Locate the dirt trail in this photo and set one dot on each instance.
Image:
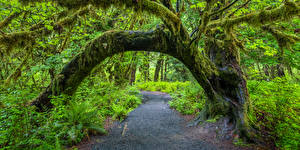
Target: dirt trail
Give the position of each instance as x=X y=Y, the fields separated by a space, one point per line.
x=154 y=126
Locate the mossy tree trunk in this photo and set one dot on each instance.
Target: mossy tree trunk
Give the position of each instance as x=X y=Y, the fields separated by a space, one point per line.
x=230 y=95
x=158 y=67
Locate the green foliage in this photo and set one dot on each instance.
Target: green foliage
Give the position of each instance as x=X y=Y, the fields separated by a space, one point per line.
x=71 y=119
x=189 y=100
x=275 y=111
x=167 y=87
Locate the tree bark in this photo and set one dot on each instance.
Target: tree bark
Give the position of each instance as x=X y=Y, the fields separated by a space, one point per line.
x=132 y=75
x=290 y=70
x=166 y=66
x=266 y=70
x=162 y=70
x=133 y=69
x=157 y=69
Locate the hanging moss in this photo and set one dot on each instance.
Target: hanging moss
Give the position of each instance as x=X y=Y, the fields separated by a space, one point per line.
x=284 y=12
x=284 y=40
x=149 y=6
x=18 y=71
x=8 y=19
x=17 y=39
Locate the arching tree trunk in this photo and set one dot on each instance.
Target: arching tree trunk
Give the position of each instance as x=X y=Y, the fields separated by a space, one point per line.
x=219 y=74
x=110 y=43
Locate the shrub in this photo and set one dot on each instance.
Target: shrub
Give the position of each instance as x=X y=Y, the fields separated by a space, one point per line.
x=71 y=120
x=274 y=111
x=167 y=87
x=189 y=100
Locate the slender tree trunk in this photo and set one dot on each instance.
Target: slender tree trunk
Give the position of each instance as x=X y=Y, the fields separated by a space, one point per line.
x=258 y=67
x=133 y=68
x=266 y=70
x=132 y=75
x=273 y=74
x=157 y=68
x=290 y=70
x=162 y=70
x=148 y=67
x=52 y=74
x=280 y=68
x=166 y=66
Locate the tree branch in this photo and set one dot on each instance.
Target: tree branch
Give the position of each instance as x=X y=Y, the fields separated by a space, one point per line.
x=284 y=12
x=284 y=40
x=149 y=6
x=239 y=8
x=224 y=8
x=8 y=19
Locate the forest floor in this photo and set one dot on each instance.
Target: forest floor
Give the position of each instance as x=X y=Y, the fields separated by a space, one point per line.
x=155 y=126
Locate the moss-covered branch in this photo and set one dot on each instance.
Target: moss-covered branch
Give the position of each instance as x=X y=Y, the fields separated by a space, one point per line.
x=286 y=11
x=69 y=20
x=106 y=45
x=284 y=40
x=8 y=19
x=149 y=6
x=224 y=8
x=11 y=40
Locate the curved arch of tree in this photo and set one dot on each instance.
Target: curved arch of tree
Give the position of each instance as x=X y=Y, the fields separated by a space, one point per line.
x=217 y=69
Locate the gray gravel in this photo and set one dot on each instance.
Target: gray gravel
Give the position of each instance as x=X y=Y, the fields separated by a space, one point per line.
x=152 y=126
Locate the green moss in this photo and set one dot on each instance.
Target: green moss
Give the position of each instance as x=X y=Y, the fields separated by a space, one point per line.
x=284 y=12
x=8 y=19
x=284 y=40
x=17 y=39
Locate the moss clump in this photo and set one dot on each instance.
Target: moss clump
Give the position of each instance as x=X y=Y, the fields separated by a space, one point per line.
x=17 y=39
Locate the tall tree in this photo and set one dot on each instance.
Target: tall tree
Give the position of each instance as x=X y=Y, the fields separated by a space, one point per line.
x=158 y=67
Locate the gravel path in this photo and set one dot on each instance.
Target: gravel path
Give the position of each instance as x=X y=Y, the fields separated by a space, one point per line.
x=154 y=126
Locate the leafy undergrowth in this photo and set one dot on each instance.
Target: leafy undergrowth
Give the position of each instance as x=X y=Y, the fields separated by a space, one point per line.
x=188 y=101
x=166 y=87
x=274 y=109
x=71 y=120
x=187 y=98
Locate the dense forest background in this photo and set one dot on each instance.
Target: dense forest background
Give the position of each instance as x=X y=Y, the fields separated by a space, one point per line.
x=31 y=60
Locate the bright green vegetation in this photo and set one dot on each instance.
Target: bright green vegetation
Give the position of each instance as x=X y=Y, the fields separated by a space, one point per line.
x=166 y=87
x=275 y=111
x=274 y=108
x=188 y=98
x=68 y=65
x=71 y=119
